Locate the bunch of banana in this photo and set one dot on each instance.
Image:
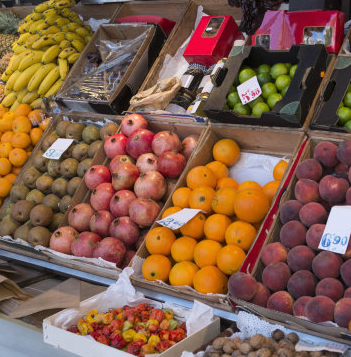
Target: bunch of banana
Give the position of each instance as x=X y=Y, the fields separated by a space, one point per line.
x=51 y=40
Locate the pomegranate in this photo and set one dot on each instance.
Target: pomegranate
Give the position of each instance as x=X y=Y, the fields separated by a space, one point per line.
x=150 y=185
x=120 y=202
x=143 y=211
x=61 y=240
x=95 y=175
x=124 y=176
x=101 y=196
x=165 y=141
x=124 y=229
x=133 y=122
x=110 y=249
x=139 y=143
x=79 y=216
x=100 y=223
x=84 y=244
x=127 y=258
x=119 y=159
x=146 y=162
x=189 y=144
x=115 y=145
x=171 y=164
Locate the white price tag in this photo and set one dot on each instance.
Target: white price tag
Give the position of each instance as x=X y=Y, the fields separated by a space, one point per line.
x=55 y=151
x=337 y=231
x=249 y=90
x=176 y=220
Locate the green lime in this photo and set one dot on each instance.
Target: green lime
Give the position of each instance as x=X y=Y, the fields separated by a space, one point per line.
x=288 y=65
x=283 y=91
x=264 y=68
x=226 y=106
x=282 y=81
x=259 y=108
x=268 y=89
x=236 y=81
x=264 y=78
x=341 y=104
x=347 y=100
x=344 y=115
x=255 y=101
x=278 y=69
x=232 y=99
x=232 y=88
x=349 y=88
x=348 y=125
x=246 y=74
x=292 y=70
x=242 y=109
x=245 y=66
x=274 y=98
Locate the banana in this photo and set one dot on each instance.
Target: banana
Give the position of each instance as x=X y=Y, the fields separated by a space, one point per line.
x=65 y=12
x=82 y=32
x=64 y=44
x=17 y=49
x=21 y=94
x=41 y=7
x=6 y=75
x=51 y=3
x=78 y=45
x=28 y=17
x=31 y=40
x=65 y=28
x=33 y=26
x=72 y=26
x=88 y=28
x=30 y=97
x=63 y=4
x=87 y=39
x=49 y=12
x=23 y=38
x=12 y=80
x=66 y=52
x=58 y=37
x=7 y=91
x=49 y=30
x=61 y=21
x=9 y=99
x=49 y=80
x=64 y=68
x=17 y=60
x=12 y=59
x=15 y=104
x=50 y=20
x=78 y=21
x=54 y=89
x=42 y=42
x=73 y=58
x=35 y=16
x=39 y=76
x=70 y=36
x=73 y=16
x=25 y=27
x=27 y=61
x=25 y=76
x=51 y=54
x=36 y=104
x=40 y=27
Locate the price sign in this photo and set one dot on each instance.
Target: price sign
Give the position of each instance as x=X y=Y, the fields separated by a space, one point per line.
x=55 y=151
x=249 y=90
x=177 y=220
x=337 y=231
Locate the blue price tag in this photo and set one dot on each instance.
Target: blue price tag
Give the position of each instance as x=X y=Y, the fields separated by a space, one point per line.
x=55 y=151
x=178 y=219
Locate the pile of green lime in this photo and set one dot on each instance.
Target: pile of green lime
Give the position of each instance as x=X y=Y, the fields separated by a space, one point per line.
x=274 y=81
x=344 y=111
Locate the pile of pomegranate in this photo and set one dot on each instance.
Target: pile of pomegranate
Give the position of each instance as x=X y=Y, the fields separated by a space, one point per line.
x=126 y=197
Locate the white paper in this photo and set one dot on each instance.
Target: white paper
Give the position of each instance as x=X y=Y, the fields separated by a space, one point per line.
x=200 y=315
x=55 y=151
x=337 y=231
x=249 y=90
x=178 y=219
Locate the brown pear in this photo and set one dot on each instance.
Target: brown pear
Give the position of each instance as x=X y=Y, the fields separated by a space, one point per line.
x=40 y=162
x=73 y=185
x=41 y=215
x=74 y=131
x=59 y=187
x=44 y=183
x=90 y=134
x=65 y=203
x=80 y=151
x=93 y=148
x=21 y=210
x=48 y=141
x=30 y=176
x=18 y=192
x=53 y=168
x=108 y=130
x=52 y=201
x=56 y=220
x=22 y=231
x=39 y=236
x=83 y=167
x=61 y=128
x=69 y=167
x=8 y=226
x=35 y=196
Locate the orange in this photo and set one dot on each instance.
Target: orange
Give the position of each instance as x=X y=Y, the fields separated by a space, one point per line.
x=205 y=252
x=22 y=109
x=5 y=149
x=5 y=124
x=18 y=157
x=183 y=273
x=16 y=170
x=7 y=136
x=20 y=140
x=210 y=280
x=183 y=249
x=227 y=182
x=5 y=187
x=11 y=177
x=241 y=234
x=180 y=197
x=201 y=176
x=201 y=198
x=159 y=240
x=195 y=227
x=251 y=205
x=21 y=124
x=5 y=166
x=246 y=185
x=35 y=135
x=278 y=171
x=218 y=168
x=156 y=267
x=44 y=124
x=168 y=212
x=9 y=116
x=223 y=201
x=36 y=116
x=226 y=151
x=270 y=188
x=230 y=258
x=29 y=153
x=29 y=148
x=215 y=227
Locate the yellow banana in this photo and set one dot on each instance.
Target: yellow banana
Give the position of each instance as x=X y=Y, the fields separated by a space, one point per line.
x=41 y=7
x=17 y=60
x=12 y=80
x=63 y=4
x=25 y=27
x=40 y=27
x=50 y=20
x=88 y=28
x=61 y=21
x=54 y=89
x=25 y=76
x=7 y=91
x=27 y=61
x=12 y=59
x=36 y=104
x=9 y=99
x=42 y=42
x=17 y=49
x=35 y=16
x=64 y=44
x=49 y=80
x=73 y=58
x=39 y=76
x=21 y=94
x=28 y=17
x=87 y=39
x=51 y=54
x=65 y=28
x=23 y=38
x=78 y=21
x=30 y=97
x=72 y=26
x=81 y=31
x=6 y=75
x=66 y=52
x=65 y=12
x=58 y=37
x=51 y=3
x=78 y=45
x=64 y=68
x=31 y=40
x=73 y=16
x=34 y=25
x=70 y=36
x=49 y=12
x=15 y=104
x=49 y=30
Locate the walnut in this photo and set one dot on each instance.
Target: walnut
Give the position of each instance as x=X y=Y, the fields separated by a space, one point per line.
x=264 y=352
x=245 y=348
x=214 y=354
x=252 y=354
x=229 y=346
x=302 y=354
x=275 y=345
x=236 y=353
x=284 y=352
x=257 y=341
x=218 y=343
x=236 y=340
x=226 y=355
x=278 y=334
x=292 y=337
x=287 y=344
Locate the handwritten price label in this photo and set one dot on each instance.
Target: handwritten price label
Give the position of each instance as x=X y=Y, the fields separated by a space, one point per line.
x=177 y=220
x=249 y=90
x=55 y=151
x=337 y=231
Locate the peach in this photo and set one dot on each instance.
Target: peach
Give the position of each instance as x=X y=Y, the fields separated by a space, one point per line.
x=330 y=287
x=281 y=301
x=347 y=293
x=302 y=283
x=345 y=271
x=292 y=234
x=261 y=295
x=309 y=169
x=242 y=286
x=313 y=213
x=326 y=153
x=344 y=152
x=273 y=253
x=300 y=305
x=300 y=258
x=341 y=169
x=290 y=211
x=326 y=265
x=307 y=190
x=333 y=189
x=320 y=308
x=314 y=235
x=342 y=312
x=276 y=276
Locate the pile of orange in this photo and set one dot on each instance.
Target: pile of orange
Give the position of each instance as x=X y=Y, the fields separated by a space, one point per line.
x=210 y=246
x=20 y=130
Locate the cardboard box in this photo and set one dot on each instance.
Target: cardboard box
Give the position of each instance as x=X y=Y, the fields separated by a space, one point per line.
x=293 y=109
x=132 y=78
